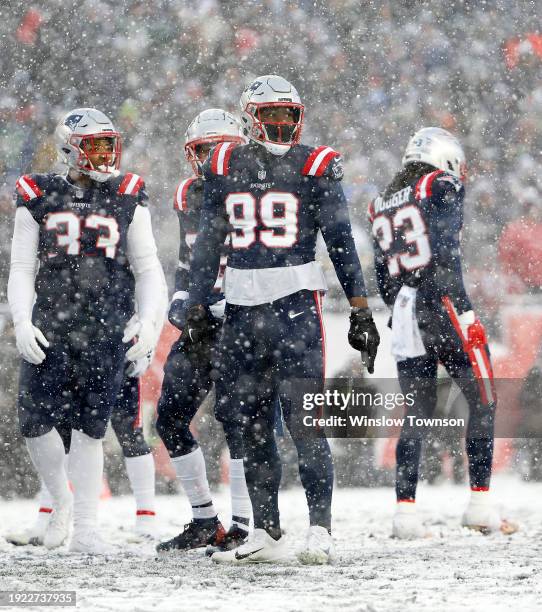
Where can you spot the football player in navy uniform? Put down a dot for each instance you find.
(416, 225)
(188, 374)
(80, 241)
(272, 196)
(126, 420)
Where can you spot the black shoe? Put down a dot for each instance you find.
(234, 538)
(195, 534)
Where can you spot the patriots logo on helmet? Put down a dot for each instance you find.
(72, 121)
(254, 86)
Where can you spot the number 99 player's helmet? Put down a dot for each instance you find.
(85, 131)
(207, 129)
(267, 91)
(438, 148)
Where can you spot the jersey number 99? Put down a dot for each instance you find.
(272, 220)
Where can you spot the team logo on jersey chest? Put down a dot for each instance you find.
(262, 173)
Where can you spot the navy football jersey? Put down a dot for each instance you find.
(83, 265)
(272, 208)
(416, 233)
(187, 202)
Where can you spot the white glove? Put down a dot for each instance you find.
(146, 338)
(466, 319)
(139, 367)
(28, 336)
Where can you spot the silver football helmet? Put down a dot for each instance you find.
(208, 128)
(438, 148)
(87, 131)
(267, 91)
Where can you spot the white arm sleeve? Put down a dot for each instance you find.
(24, 265)
(151, 288)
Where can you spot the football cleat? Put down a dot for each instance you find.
(407, 525)
(32, 536)
(319, 548)
(260, 547)
(58, 528)
(89, 542)
(481, 516)
(232, 539)
(196, 534)
(144, 530)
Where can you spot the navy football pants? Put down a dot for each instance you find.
(472, 373)
(188, 377)
(77, 383)
(261, 347)
(126, 419)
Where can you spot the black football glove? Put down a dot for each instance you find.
(177, 314)
(199, 325)
(363, 336)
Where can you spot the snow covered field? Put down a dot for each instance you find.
(452, 570)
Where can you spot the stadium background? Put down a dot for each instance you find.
(369, 73)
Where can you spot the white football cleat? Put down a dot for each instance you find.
(481, 515)
(407, 525)
(144, 530)
(259, 548)
(32, 535)
(89, 542)
(319, 548)
(58, 529)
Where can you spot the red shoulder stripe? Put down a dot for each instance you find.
(130, 184)
(221, 158)
(179, 200)
(325, 162)
(318, 161)
(423, 186)
(227, 155)
(28, 188)
(310, 160)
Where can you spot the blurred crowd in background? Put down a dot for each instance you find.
(369, 72)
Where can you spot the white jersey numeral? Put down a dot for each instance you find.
(68, 230)
(108, 242)
(410, 221)
(277, 211)
(241, 209)
(68, 227)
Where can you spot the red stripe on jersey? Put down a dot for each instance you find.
(325, 163)
(310, 160)
(452, 313)
(45, 510)
(417, 188)
(179, 201)
(127, 186)
(139, 416)
(124, 183)
(28, 188)
(145, 513)
(230, 146)
(318, 299)
(137, 186)
(214, 159)
(423, 186)
(33, 185)
(430, 181)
